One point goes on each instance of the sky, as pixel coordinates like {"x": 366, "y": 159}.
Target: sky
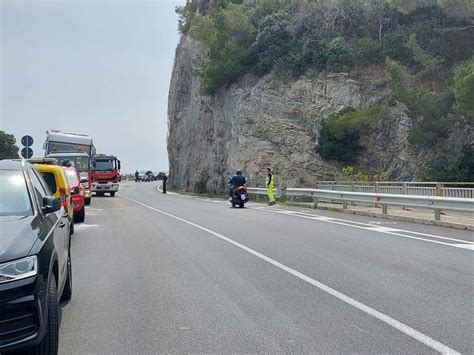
{"x": 98, "y": 67}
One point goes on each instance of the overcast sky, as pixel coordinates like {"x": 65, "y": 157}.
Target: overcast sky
{"x": 99, "y": 67}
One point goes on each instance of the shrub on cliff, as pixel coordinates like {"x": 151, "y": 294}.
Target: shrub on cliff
{"x": 463, "y": 90}
{"x": 451, "y": 166}
{"x": 339, "y": 133}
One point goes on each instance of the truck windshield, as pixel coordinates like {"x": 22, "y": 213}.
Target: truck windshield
{"x": 58, "y": 147}
{"x": 81, "y": 163}
{"x": 103, "y": 165}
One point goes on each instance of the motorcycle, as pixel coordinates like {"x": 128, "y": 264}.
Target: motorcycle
{"x": 239, "y": 198}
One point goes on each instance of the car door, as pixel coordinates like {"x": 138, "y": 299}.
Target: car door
{"x": 57, "y": 221}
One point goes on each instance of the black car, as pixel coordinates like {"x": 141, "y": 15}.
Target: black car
{"x": 35, "y": 261}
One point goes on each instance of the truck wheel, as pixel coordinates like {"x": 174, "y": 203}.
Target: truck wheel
{"x": 87, "y": 201}
{"x": 80, "y": 216}
{"x": 112, "y": 194}
{"x": 49, "y": 345}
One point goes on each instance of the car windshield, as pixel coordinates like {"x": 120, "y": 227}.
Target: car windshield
{"x": 80, "y": 163}
{"x": 103, "y": 165}
{"x": 14, "y": 198}
{"x": 72, "y": 178}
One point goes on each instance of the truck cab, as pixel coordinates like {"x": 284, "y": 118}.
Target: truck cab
{"x": 105, "y": 174}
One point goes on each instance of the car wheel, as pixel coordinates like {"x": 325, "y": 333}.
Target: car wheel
{"x": 99, "y": 193}
{"x": 112, "y": 193}
{"x": 80, "y": 216}
{"x": 87, "y": 201}
{"x": 67, "y": 292}
{"x": 49, "y": 345}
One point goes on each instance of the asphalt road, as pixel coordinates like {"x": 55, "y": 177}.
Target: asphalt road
{"x": 156, "y": 273}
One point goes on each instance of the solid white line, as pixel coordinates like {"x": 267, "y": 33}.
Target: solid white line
{"x": 375, "y": 228}
{"x": 415, "y": 334}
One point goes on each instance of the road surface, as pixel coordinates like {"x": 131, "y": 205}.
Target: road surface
{"x": 156, "y": 273}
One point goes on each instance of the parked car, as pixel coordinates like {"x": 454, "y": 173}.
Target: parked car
{"x": 56, "y": 179}
{"x": 35, "y": 261}
{"x": 77, "y": 194}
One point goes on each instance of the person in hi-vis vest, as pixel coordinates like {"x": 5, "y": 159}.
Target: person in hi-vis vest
{"x": 270, "y": 183}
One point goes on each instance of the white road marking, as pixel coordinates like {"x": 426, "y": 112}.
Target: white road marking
{"x": 376, "y": 228}
{"x": 415, "y": 334}
{"x": 465, "y": 246}
{"x": 83, "y": 225}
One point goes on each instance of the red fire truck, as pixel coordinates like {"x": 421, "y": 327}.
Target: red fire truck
{"x": 105, "y": 174}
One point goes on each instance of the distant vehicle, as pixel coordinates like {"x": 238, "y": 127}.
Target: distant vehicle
{"x": 142, "y": 175}
{"x": 74, "y": 145}
{"x": 77, "y": 192}
{"x": 81, "y": 162}
{"x": 160, "y": 175}
{"x": 35, "y": 261}
{"x": 58, "y": 184}
{"x": 105, "y": 174}
{"x": 149, "y": 176}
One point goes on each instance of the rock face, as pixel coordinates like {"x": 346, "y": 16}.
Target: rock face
{"x": 271, "y": 121}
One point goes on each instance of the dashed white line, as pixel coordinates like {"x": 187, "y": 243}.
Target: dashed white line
{"x": 415, "y": 334}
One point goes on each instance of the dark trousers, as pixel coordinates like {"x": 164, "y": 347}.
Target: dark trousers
{"x": 164, "y": 187}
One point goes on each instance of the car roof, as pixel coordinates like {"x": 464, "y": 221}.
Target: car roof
{"x": 10, "y": 164}
{"x": 47, "y": 167}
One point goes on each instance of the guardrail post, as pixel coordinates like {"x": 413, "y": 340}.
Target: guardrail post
{"x": 437, "y": 213}
{"x": 315, "y": 202}
{"x": 376, "y": 187}
{"x": 344, "y": 204}
{"x": 404, "y": 192}
{"x": 439, "y": 189}
{"x": 384, "y": 209}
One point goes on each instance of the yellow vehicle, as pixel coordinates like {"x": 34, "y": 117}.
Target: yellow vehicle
{"x": 56, "y": 179}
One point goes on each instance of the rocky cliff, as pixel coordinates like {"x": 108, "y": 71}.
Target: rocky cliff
{"x": 272, "y": 121}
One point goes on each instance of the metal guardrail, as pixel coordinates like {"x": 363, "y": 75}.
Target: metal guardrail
{"x": 441, "y": 189}
{"x": 262, "y": 191}
{"x": 435, "y": 203}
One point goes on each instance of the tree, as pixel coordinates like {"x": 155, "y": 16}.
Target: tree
{"x": 8, "y": 147}
{"x": 463, "y": 89}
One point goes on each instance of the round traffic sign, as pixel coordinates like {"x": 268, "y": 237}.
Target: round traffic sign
{"x": 27, "y": 153}
{"x": 27, "y": 141}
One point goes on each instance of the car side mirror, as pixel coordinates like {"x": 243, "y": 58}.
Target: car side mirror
{"x": 84, "y": 180}
{"x": 50, "y": 205}
{"x": 75, "y": 191}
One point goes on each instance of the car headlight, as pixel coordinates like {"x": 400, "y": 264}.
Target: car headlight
{"x": 18, "y": 269}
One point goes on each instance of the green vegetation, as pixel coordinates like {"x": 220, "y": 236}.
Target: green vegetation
{"x": 339, "y": 134}
{"x": 451, "y": 166}
{"x": 348, "y": 173}
{"x": 8, "y": 147}
{"x": 463, "y": 89}
{"x": 200, "y": 187}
